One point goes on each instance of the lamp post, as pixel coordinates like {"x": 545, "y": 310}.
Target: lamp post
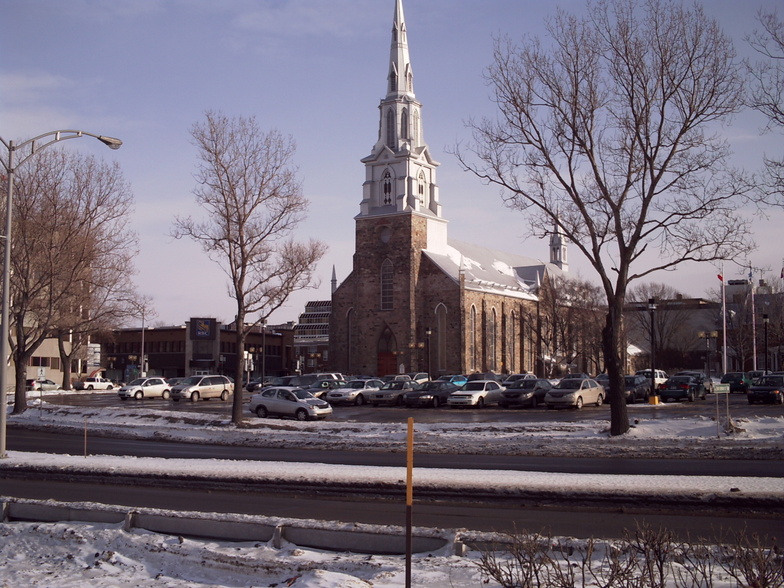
{"x": 652, "y": 309}
{"x": 35, "y": 144}
{"x": 428, "y": 333}
{"x": 765, "y": 321}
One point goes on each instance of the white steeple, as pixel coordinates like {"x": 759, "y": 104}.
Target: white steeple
{"x": 400, "y": 175}
{"x": 558, "y": 247}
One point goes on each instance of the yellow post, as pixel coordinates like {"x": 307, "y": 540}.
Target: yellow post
{"x": 409, "y": 496}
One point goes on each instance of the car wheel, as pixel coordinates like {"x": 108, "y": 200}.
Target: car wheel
{"x": 599, "y": 400}
{"x": 578, "y": 403}
{"x": 261, "y": 412}
{"x": 194, "y": 397}
{"x": 480, "y": 403}
{"x": 138, "y": 395}
{"x": 301, "y": 414}
{"x": 691, "y": 397}
{"x": 224, "y": 395}
{"x": 108, "y": 387}
{"x": 533, "y": 402}
{"x": 90, "y": 387}
{"x": 166, "y": 395}
{"x": 436, "y": 402}
{"x": 359, "y": 400}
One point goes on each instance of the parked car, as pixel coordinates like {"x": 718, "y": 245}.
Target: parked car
{"x": 196, "y": 387}
{"x": 525, "y": 392}
{"x": 682, "y": 387}
{"x": 457, "y": 379}
{"x": 575, "y": 392}
{"x": 757, "y": 374}
{"x": 636, "y": 388}
{"x": 94, "y": 384}
{"x": 41, "y": 385}
{"x": 477, "y": 393}
{"x": 703, "y": 383}
{"x": 174, "y": 381}
{"x": 391, "y": 393}
{"x": 511, "y": 378}
{"x": 738, "y": 381}
{"x": 288, "y": 401}
{"x": 769, "y": 388}
{"x": 435, "y": 394}
{"x": 419, "y": 377}
{"x": 356, "y": 392}
{"x": 145, "y": 388}
{"x": 660, "y": 376}
{"x": 320, "y": 388}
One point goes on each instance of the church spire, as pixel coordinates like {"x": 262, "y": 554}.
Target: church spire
{"x": 400, "y": 80}
{"x": 400, "y": 173}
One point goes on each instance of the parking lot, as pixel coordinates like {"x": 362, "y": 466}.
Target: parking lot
{"x": 737, "y": 405}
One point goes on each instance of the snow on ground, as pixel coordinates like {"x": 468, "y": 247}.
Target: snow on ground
{"x": 73, "y": 554}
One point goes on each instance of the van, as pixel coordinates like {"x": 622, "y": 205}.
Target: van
{"x": 197, "y": 387}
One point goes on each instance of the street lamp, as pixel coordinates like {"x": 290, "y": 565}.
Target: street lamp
{"x": 35, "y": 144}
{"x": 428, "y": 332}
{"x": 765, "y": 321}
{"x": 652, "y": 309}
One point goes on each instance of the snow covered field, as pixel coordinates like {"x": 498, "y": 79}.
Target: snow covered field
{"x": 73, "y": 554}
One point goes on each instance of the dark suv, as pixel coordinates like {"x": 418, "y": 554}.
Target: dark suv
{"x": 738, "y": 381}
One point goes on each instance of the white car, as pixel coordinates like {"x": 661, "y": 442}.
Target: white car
{"x": 289, "y": 401}
{"x": 197, "y": 387}
{"x": 477, "y": 393}
{"x": 145, "y": 388}
{"x": 356, "y": 392}
{"x": 94, "y": 384}
{"x": 660, "y": 376}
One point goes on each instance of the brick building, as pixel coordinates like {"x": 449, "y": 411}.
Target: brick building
{"x": 417, "y": 300}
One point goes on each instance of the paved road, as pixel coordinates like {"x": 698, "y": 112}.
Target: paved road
{"x": 20, "y": 439}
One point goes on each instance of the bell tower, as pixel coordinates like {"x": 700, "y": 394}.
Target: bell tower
{"x": 400, "y": 174}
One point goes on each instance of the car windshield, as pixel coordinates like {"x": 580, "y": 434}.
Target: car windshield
{"x": 731, "y": 378}
{"x": 571, "y": 384}
{"x": 772, "y": 381}
{"x": 356, "y": 384}
{"x": 302, "y": 394}
{"x": 679, "y": 380}
{"x": 523, "y": 384}
{"x": 630, "y": 380}
{"x": 476, "y": 385}
{"x": 396, "y": 385}
{"x": 138, "y": 382}
{"x": 192, "y": 381}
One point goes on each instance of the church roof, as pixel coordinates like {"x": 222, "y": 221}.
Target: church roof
{"x": 487, "y": 270}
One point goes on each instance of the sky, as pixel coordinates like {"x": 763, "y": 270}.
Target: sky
{"x": 146, "y": 71}
{"x": 74, "y": 554}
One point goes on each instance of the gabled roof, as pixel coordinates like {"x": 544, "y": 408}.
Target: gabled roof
{"x": 487, "y": 270}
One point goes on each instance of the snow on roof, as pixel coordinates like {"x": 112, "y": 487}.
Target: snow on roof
{"x": 496, "y": 272}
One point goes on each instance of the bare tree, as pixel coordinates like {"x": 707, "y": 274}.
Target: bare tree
{"x": 767, "y": 94}
{"x": 71, "y": 249}
{"x": 249, "y": 189}
{"x": 607, "y": 134}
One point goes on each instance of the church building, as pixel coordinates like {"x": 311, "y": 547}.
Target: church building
{"x": 417, "y": 300}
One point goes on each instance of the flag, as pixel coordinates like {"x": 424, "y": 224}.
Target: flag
{"x": 721, "y": 278}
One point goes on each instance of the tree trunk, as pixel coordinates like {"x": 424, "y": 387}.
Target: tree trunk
{"x": 239, "y": 371}
{"x": 65, "y": 360}
{"x": 612, "y": 342}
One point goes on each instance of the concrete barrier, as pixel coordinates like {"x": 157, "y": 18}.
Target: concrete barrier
{"x": 356, "y": 538}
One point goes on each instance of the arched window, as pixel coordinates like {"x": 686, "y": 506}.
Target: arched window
{"x": 404, "y": 124}
{"x": 491, "y": 341}
{"x": 391, "y": 128}
{"x": 387, "y": 276}
{"x": 387, "y": 187}
{"x": 472, "y": 351}
{"x": 513, "y": 343}
{"x": 422, "y": 187}
{"x": 441, "y": 338}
